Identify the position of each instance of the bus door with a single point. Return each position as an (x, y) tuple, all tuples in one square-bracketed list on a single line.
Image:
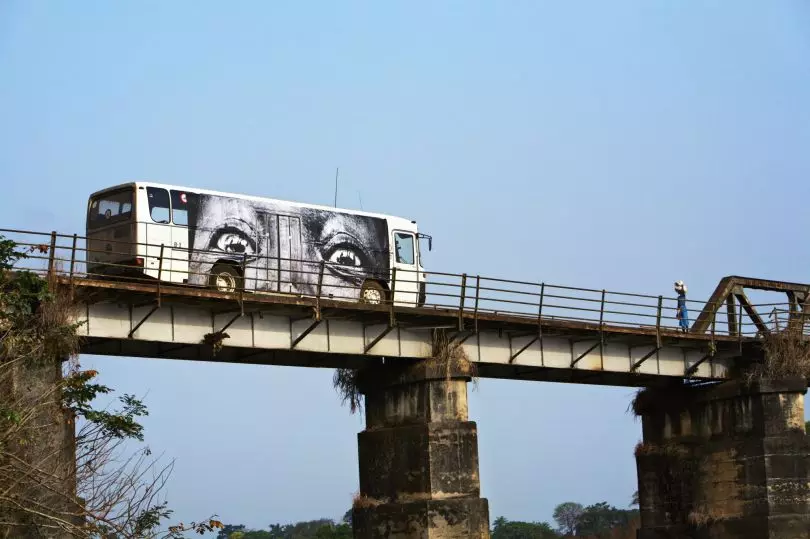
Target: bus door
[(181, 202), (158, 231), (406, 289), (284, 266)]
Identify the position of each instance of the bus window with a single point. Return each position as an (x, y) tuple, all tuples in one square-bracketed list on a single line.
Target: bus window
[(181, 201), (404, 248), (158, 204), (109, 208)]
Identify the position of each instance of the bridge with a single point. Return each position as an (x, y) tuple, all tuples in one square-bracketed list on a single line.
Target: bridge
[(507, 328), (510, 329)]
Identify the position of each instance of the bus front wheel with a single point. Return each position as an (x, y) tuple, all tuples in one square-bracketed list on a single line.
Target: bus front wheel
[(225, 278), (372, 292)]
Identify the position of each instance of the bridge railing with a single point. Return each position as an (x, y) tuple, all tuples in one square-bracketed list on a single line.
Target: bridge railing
[(67, 255)]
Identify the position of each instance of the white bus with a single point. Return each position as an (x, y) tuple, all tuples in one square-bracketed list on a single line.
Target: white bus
[(229, 241)]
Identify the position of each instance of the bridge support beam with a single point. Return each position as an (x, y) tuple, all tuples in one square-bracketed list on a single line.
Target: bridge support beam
[(418, 456), (730, 461)]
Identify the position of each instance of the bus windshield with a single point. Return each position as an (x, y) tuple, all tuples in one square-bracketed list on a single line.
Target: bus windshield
[(109, 208)]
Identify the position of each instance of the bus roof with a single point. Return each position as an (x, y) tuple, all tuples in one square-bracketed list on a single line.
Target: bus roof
[(250, 197)]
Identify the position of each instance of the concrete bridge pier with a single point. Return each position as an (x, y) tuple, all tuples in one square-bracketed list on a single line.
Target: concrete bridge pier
[(38, 463), (418, 455), (728, 461)]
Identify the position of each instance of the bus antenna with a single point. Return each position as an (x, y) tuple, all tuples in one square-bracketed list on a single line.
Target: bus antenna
[(337, 170), (361, 199)]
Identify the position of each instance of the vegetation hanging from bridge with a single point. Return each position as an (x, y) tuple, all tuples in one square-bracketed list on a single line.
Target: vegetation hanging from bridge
[(446, 353)]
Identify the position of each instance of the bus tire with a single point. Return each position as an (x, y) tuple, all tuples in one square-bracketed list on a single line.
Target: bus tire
[(225, 278), (372, 292)]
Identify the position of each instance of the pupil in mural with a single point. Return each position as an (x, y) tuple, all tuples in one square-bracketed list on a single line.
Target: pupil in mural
[(232, 240), (345, 255), (346, 250)]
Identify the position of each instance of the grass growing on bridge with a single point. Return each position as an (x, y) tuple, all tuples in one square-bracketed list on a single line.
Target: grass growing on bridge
[(786, 355), (446, 353)]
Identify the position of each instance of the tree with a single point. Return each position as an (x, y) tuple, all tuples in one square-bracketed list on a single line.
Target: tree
[(635, 500), (54, 480), (347, 517), (567, 516), (504, 529), (228, 529), (807, 427), (599, 519)]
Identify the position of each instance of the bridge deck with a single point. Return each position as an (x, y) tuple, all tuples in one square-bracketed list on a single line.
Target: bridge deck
[(511, 329), (124, 319)]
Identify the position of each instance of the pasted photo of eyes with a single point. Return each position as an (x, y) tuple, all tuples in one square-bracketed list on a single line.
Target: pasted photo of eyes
[(353, 246), (235, 237), (344, 253), (283, 245)]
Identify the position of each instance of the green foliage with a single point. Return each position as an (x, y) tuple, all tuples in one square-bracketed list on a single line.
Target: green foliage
[(150, 518), (36, 327), (9, 255), (599, 519), (593, 522), (339, 531), (505, 529), (228, 530), (309, 529), (77, 394)]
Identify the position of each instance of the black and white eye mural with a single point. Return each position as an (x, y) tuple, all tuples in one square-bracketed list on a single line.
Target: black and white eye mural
[(282, 246)]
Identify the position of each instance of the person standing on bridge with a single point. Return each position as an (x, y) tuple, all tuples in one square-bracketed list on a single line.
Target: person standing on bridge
[(682, 314)]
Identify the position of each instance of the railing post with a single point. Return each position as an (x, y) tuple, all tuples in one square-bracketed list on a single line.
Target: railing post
[(658, 322), (461, 302), (73, 257), (391, 318), (52, 254), (601, 331), (244, 271), (477, 291), (160, 273), (540, 304), (321, 268), (602, 311), (318, 290), (244, 284)]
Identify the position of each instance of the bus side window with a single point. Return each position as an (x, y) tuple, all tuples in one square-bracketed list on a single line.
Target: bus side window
[(180, 206), (158, 204), (404, 248)]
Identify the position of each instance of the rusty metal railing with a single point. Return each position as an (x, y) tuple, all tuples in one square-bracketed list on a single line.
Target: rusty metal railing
[(469, 295)]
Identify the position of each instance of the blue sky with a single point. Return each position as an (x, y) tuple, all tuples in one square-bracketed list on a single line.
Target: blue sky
[(617, 145)]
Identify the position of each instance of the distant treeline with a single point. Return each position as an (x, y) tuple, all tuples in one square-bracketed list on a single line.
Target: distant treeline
[(597, 521)]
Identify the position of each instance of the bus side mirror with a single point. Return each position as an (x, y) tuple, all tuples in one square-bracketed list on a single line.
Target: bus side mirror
[(430, 241)]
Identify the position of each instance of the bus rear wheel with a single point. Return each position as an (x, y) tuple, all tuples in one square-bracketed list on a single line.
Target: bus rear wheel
[(372, 292), (225, 278)]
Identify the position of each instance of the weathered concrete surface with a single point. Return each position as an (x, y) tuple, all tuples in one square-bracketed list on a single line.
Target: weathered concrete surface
[(418, 456), (725, 462), (41, 457)]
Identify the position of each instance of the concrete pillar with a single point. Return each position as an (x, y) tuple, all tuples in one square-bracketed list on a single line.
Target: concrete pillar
[(728, 461), (418, 456), (41, 457)]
